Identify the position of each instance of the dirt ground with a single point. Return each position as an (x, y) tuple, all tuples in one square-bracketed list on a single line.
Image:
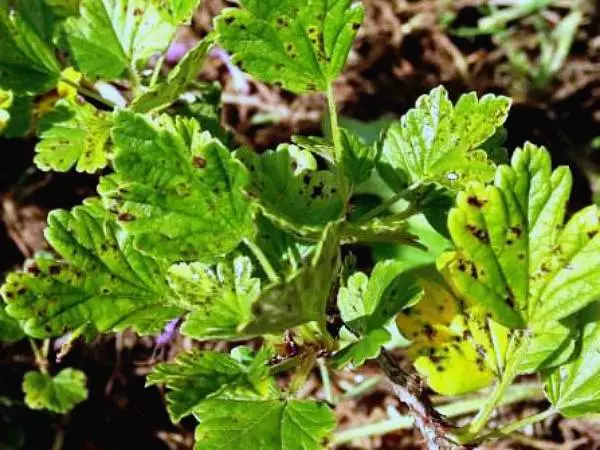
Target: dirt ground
[(402, 51)]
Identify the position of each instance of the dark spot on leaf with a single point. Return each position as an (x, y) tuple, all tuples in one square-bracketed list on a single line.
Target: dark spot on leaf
[(355, 26), (478, 233), (125, 217), (199, 162), (229, 20), (592, 233), (474, 201), (474, 274), (54, 270), (429, 331), (517, 231)]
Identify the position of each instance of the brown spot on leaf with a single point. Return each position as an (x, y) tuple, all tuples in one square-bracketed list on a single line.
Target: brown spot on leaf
[(474, 201), (199, 162)]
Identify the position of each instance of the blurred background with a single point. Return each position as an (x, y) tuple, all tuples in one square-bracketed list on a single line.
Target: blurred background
[(545, 54)]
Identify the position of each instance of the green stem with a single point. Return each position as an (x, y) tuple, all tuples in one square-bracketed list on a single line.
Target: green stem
[(514, 394), (40, 361), (59, 439), (512, 427), (157, 70), (516, 352), (326, 381), (88, 92), (333, 119), (263, 260)]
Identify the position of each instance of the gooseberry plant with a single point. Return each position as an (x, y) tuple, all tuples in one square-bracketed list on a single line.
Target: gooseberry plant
[(256, 249)]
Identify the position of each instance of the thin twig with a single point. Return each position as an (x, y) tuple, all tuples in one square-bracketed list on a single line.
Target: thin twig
[(409, 390)]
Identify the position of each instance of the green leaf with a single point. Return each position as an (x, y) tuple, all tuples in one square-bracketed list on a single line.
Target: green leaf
[(384, 230), (367, 304), (455, 347), (27, 64), (20, 117), (64, 8), (358, 158), (301, 44), (179, 78), (59, 394), (103, 280), (279, 424), (176, 189), (550, 346), (176, 11), (220, 298), (199, 375), (574, 388), (291, 191), (10, 330), (112, 37), (303, 296), (441, 142), (73, 134), (514, 255)]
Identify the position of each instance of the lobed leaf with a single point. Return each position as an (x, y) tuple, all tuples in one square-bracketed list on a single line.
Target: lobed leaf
[(300, 44), (367, 304), (27, 63), (103, 280), (176, 189), (455, 346), (219, 298), (59, 394), (73, 134), (10, 330), (291, 191), (438, 142), (240, 424), (514, 255), (176, 11), (112, 37), (303, 296), (197, 376), (358, 158)]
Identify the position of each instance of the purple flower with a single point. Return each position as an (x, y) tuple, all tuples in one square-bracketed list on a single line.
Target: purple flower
[(168, 333), (239, 78)]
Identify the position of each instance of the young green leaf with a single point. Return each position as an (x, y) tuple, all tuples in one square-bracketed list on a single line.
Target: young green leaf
[(112, 37), (455, 346), (197, 376), (103, 280), (552, 345), (367, 304), (27, 64), (176, 189), (59, 394), (278, 424), (73, 134), (303, 296), (574, 388), (441, 142), (179, 78), (300, 44), (10, 330), (220, 298), (291, 191), (358, 158), (514, 255)]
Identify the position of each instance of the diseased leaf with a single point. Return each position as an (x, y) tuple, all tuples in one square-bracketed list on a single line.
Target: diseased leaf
[(384, 230), (59, 394), (300, 44), (573, 388), (179, 78), (455, 346), (197, 376), (27, 64), (103, 280), (514, 255), (291, 191), (303, 296), (358, 158), (74, 134), (220, 298), (367, 304), (176, 189), (278, 424), (441, 142), (10, 330), (112, 37)]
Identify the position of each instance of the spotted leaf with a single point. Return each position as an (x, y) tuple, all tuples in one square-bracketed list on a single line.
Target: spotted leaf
[(59, 394), (176, 189), (441, 142), (300, 44), (514, 255)]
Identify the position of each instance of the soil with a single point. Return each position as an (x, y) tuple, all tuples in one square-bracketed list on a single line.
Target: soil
[(401, 53)]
